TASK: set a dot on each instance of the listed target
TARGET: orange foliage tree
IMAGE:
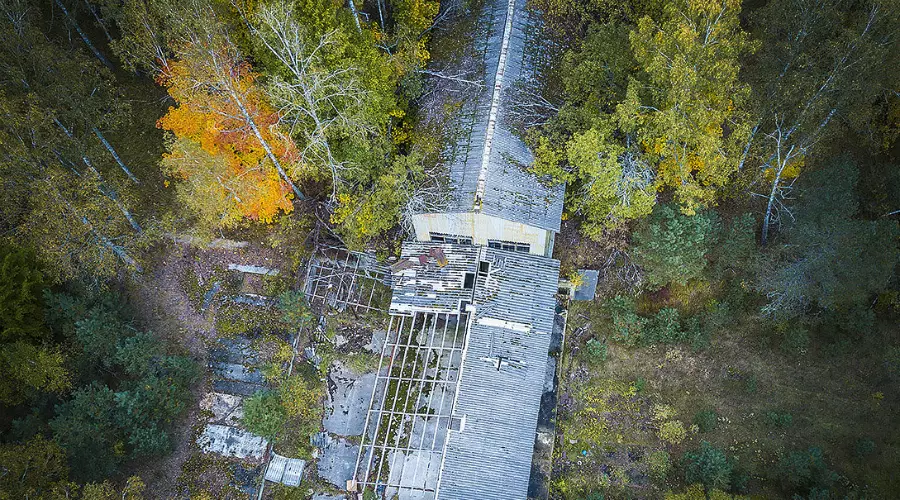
(241, 158)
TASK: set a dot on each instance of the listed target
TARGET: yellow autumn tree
(687, 110)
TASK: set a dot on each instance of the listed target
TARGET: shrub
(750, 384)
(658, 466)
(672, 247)
(295, 309)
(664, 327)
(263, 414)
(639, 385)
(672, 431)
(300, 398)
(805, 471)
(794, 337)
(627, 326)
(738, 245)
(706, 420)
(597, 350)
(707, 465)
(779, 419)
(864, 447)
(892, 361)
(662, 413)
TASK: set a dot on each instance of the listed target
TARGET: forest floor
(766, 403)
(169, 297)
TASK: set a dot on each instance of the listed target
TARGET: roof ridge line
(495, 106)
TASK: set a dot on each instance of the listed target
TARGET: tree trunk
(84, 37)
(764, 237)
(113, 196)
(116, 249)
(265, 144)
(355, 15)
(63, 127)
(99, 21)
(115, 155)
(380, 15)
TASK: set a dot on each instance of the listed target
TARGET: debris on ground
(284, 470)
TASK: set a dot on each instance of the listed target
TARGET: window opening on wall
(450, 238)
(469, 281)
(484, 268)
(509, 245)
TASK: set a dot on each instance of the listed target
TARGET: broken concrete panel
(324, 496)
(310, 354)
(225, 408)
(377, 342)
(550, 375)
(232, 442)
(337, 461)
(287, 471)
(348, 400)
(265, 271)
(208, 296)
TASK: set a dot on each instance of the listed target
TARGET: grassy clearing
(766, 402)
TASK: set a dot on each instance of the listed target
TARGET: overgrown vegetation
(733, 174)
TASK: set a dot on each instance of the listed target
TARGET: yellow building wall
(481, 228)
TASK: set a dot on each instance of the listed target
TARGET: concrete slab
(235, 371)
(348, 400)
(323, 496)
(413, 471)
(232, 442)
(337, 460)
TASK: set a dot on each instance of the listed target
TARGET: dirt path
(163, 304)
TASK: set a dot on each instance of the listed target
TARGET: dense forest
(731, 169)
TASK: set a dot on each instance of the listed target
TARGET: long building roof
(487, 172)
(503, 370)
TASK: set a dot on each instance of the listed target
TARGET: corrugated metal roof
(502, 375)
(489, 160)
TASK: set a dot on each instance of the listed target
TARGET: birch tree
(65, 197)
(689, 114)
(820, 60)
(223, 109)
(321, 98)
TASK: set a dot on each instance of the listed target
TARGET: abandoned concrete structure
(494, 201)
(456, 401)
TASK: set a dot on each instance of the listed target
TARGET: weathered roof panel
(491, 458)
(490, 160)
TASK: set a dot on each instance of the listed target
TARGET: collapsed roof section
(487, 173)
(510, 297)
